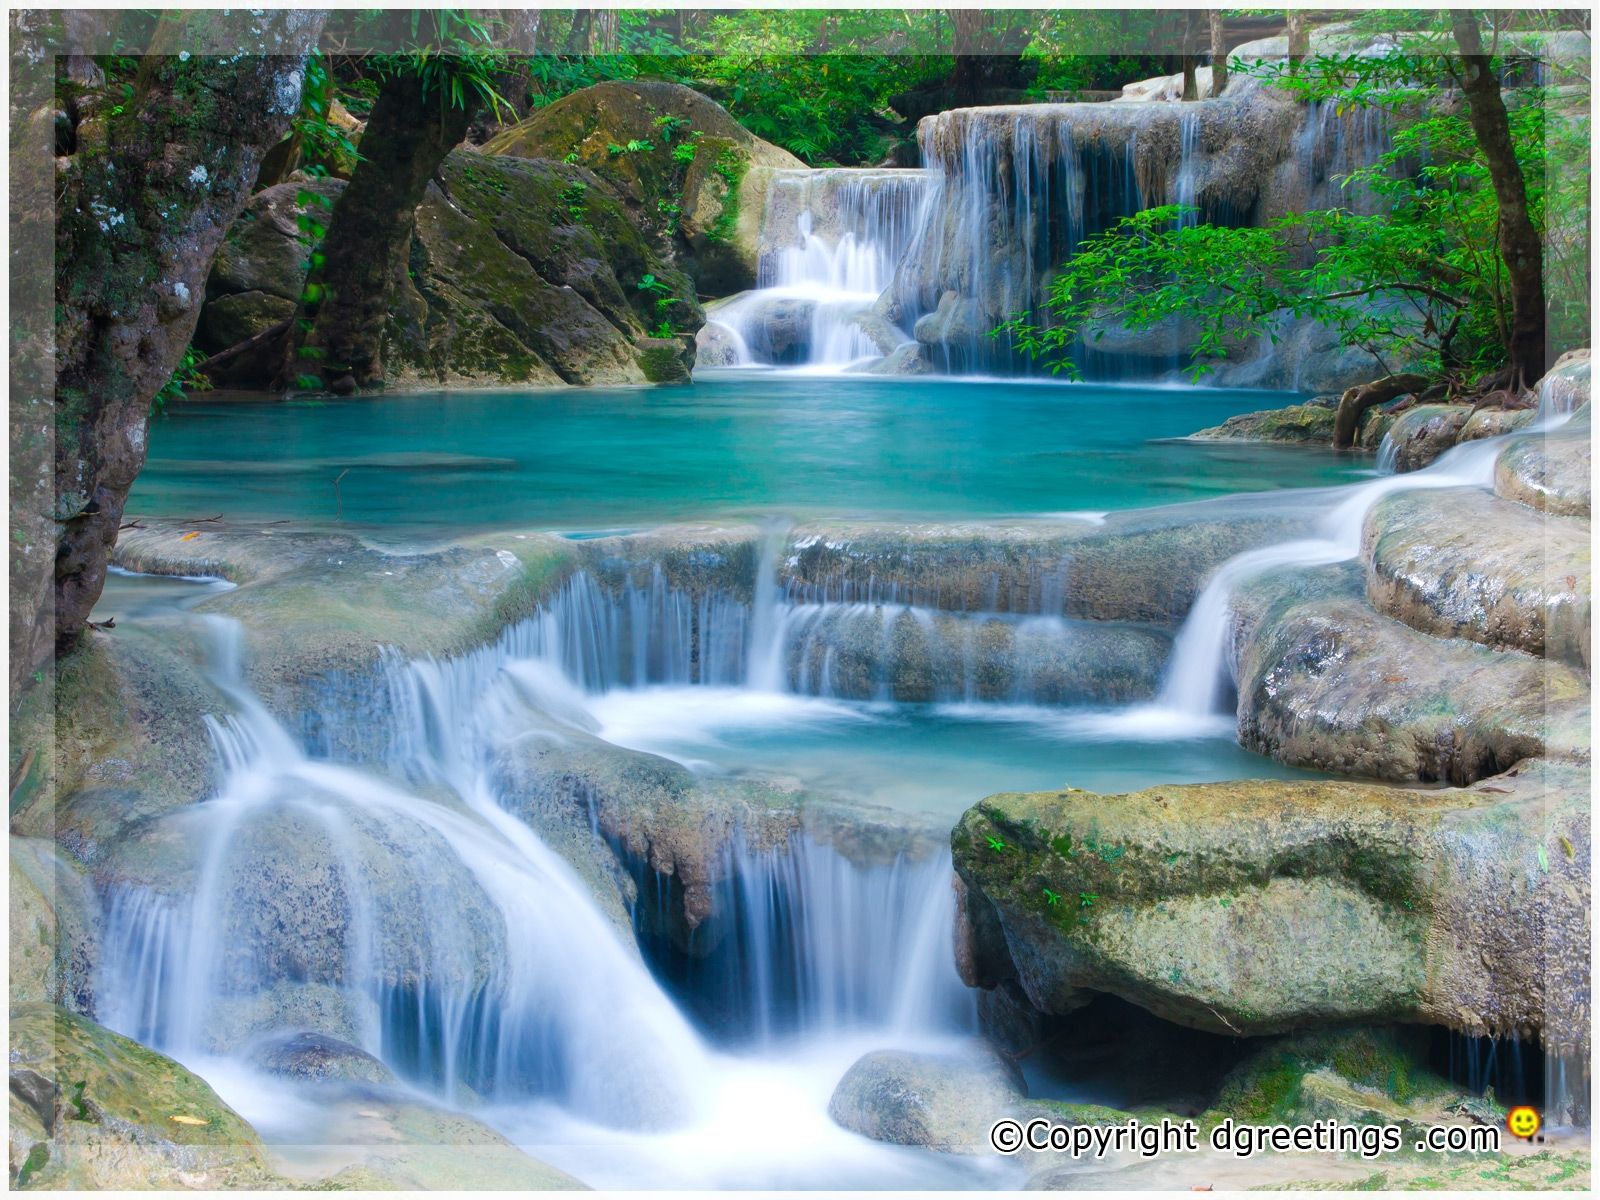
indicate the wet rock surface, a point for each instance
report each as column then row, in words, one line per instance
column 943, row 1102
column 1421, row 434
column 1462, row 563
column 1326, row 682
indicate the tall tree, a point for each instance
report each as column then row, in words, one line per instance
column 1299, row 38
column 1191, row 87
column 140, row 216
column 1519, row 242
column 1219, row 54
column 426, row 97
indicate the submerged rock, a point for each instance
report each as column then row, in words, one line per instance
column 318, row 1058
column 1263, row 907
column 945, row 1102
column 91, row 1109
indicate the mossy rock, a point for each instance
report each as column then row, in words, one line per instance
column 1305, row 1077
column 1261, row 907
column 1309, row 423
column 704, row 203
column 92, row 1109
column 54, row 927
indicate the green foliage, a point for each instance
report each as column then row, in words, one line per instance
column 574, row 199
column 322, row 144
column 730, row 167
column 187, row 378
column 1422, row 283
column 454, row 55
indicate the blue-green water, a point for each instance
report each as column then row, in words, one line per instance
column 741, row 445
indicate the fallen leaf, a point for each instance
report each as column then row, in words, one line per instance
column 186, row 1119
column 190, row 536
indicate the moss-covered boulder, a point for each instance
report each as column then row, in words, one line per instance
column 520, row 272
column 1460, row 562
column 1263, row 907
column 54, row 928
column 691, row 176
column 1312, row 423
column 1355, row 1076
column 91, row 1109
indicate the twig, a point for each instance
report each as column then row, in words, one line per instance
column 338, row 500
column 198, row 520
column 1225, row 1021
column 133, row 524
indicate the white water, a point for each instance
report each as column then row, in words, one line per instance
column 472, row 959
column 827, row 279
column 1198, row 675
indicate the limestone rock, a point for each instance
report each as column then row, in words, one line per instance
column 319, row 1058
column 1325, row 682
column 1549, row 472
column 1459, row 562
column 1297, row 423
column 705, row 201
column 1420, row 434
column 54, row 930
column 1263, row 907
column 229, row 320
column 943, row 1102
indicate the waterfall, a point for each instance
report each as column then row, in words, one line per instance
column 831, row 241
column 806, row 941
column 1198, row 672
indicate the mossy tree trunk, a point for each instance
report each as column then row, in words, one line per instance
column 1219, row 54
column 1519, row 241
column 141, row 210
column 347, row 297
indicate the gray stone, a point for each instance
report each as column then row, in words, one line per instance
column 943, row 1102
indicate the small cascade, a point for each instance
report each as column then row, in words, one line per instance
column 831, row 241
column 644, row 632
column 1198, row 673
column 806, row 941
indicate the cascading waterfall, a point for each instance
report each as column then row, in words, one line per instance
column 821, row 275
column 438, row 925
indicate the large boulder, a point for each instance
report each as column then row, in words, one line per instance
column 1297, row 423
column 91, row 1109
column 943, row 1102
column 520, row 272
column 1263, row 907
column 689, row 174
column 1549, row 471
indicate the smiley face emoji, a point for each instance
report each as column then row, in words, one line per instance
column 1522, row 1121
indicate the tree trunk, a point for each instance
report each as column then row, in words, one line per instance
column 139, row 220
column 369, row 236
column 1191, row 87
column 1219, row 54
column 603, row 31
column 1356, row 401
column 1299, row 38
column 966, row 74
column 1520, row 245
